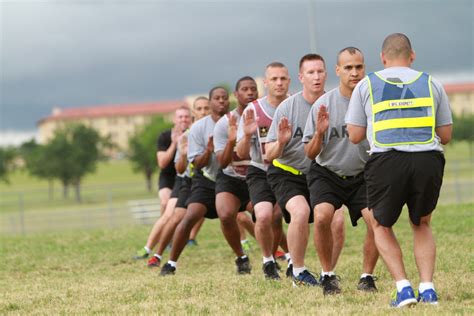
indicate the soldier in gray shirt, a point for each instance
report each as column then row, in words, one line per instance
column 286, row 175
column 405, row 116
column 251, row 137
column 201, row 202
column 232, row 194
column 336, row 176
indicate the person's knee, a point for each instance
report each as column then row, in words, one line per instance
column 300, row 216
column 264, row 219
column 227, row 218
column 322, row 220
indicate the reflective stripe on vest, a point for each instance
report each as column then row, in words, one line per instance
column 290, row 169
column 402, row 113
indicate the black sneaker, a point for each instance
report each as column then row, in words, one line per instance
column 367, row 284
column 270, row 271
column 289, row 271
column 243, row 265
column 167, row 269
column 330, row 284
column 305, row 278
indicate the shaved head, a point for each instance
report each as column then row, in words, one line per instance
column 397, row 46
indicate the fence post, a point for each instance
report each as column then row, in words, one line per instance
column 21, row 208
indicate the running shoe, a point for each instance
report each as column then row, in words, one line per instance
column 428, row 296
column 330, row 284
column 243, row 265
column 289, row 271
column 154, row 262
column 167, row 269
column 367, row 284
column 406, row 297
column 305, row 278
column 192, row 243
column 270, row 271
column 141, row 254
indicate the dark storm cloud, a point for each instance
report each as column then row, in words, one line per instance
column 59, row 53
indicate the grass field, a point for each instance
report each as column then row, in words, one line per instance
column 90, row 272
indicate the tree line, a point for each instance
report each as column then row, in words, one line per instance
column 74, row 151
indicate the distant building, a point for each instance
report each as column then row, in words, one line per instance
column 461, row 97
column 120, row 122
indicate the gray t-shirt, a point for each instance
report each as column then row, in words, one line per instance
column 188, row 170
column 337, row 154
column 256, row 157
column 197, row 143
column 360, row 108
column 296, row 109
column 237, row 167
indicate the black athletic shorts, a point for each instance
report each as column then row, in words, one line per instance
column 166, row 181
column 237, row 187
column 203, row 192
column 176, row 187
column 396, row 178
column 184, row 192
column 259, row 189
column 286, row 185
column 326, row 186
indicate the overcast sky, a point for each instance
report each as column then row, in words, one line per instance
column 82, row 53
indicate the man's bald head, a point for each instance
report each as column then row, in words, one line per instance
column 397, row 46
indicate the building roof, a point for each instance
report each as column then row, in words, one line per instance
column 162, row 107
column 459, row 87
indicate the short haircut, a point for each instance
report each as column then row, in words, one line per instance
column 245, row 78
column 275, row 64
column 397, row 45
column 198, row 99
column 217, row 88
column 351, row 50
column 183, row 107
column 311, row 57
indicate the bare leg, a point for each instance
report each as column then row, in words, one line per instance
column 196, row 229
column 227, row 206
column 169, row 229
column 155, row 233
column 195, row 212
column 277, row 228
column 338, row 236
column 424, row 248
column 244, row 221
column 389, row 249
column 371, row 254
column 298, row 229
column 323, row 237
column 263, row 227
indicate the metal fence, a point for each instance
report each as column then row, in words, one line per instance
column 108, row 206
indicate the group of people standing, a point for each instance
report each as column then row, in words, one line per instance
column 372, row 144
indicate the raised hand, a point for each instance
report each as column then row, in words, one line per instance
column 232, row 128
column 284, row 131
column 322, row 120
column 250, row 122
column 183, row 144
column 175, row 134
column 210, row 144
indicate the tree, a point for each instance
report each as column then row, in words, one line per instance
column 37, row 163
column 72, row 153
column 463, row 129
column 142, row 152
column 7, row 157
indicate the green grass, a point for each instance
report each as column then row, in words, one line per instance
column 90, row 272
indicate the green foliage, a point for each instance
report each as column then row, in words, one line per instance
column 142, row 152
column 7, row 156
column 72, row 153
column 463, row 127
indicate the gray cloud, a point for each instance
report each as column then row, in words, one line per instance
column 95, row 52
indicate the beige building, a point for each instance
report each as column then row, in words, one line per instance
column 120, row 122
column 461, row 97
